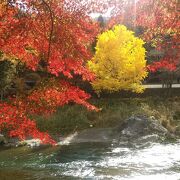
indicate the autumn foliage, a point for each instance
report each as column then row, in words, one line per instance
column 161, row 29
column 14, row 121
column 159, row 21
column 119, row 62
column 51, row 38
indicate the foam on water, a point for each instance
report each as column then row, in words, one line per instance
column 94, row 161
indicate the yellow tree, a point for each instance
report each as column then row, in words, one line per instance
column 119, row 62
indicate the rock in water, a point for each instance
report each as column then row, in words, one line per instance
column 30, row 143
column 138, row 129
column 94, row 135
column 138, row 126
column 141, row 130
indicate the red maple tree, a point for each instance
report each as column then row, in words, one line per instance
column 53, row 38
column 159, row 20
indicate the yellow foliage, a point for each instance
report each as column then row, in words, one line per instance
column 119, row 62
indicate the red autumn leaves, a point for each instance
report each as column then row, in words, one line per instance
column 54, row 38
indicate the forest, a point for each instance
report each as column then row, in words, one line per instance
column 54, row 53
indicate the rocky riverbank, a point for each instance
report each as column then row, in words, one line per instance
column 138, row 129
column 70, row 119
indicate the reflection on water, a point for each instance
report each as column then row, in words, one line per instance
column 92, row 161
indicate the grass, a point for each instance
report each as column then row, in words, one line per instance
column 114, row 111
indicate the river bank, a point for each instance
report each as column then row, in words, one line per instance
column 114, row 110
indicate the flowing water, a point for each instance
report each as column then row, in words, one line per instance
column 92, row 161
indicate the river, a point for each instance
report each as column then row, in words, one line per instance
column 92, row 161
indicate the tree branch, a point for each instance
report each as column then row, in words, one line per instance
column 52, row 27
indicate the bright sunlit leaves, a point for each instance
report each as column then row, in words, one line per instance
column 119, row 62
